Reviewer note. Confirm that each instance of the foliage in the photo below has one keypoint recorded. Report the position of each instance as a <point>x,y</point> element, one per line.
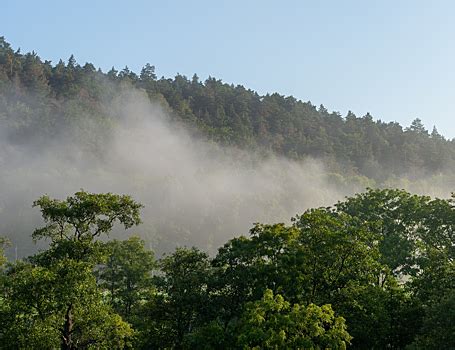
<point>127,274</point>
<point>272,323</point>
<point>383,259</point>
<point>54,300</point>
<point>85,216</point>
<point>181,298</point>
<point>38,98</point>
<point>438,329</point>
<point>374,271</point>
<point>46,307</point>
<point>3,244</point>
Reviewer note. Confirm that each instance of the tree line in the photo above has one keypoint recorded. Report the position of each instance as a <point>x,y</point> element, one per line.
<point>38,98</point>
<point>374,271</point>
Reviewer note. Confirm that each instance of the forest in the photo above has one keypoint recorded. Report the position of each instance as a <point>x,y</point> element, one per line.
<point>374,270</point>
<point>38,97</point>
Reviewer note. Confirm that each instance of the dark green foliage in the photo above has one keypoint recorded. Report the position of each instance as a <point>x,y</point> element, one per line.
<point>395,216</point>
<point>376,271</point>
<point>63,95</point>
<point>180,302</point>
<point>438,329</point>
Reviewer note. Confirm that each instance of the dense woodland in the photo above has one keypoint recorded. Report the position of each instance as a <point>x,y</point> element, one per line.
<point>375,271</point>
<point>38,98</point>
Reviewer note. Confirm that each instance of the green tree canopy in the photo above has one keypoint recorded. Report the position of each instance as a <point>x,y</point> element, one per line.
<point>272,323</point>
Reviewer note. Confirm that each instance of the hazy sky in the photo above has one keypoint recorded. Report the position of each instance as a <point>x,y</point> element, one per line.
<point>394,59</point>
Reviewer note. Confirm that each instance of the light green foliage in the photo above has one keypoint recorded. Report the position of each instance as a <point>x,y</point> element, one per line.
<point>3,243</point>
<point>383,259</point>
<point>53,300</point>
<point>272,323</point>
<point>85,216</point>
<point>60,305</point>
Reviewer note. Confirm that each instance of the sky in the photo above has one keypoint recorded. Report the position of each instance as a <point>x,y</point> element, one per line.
<point>393,59</point>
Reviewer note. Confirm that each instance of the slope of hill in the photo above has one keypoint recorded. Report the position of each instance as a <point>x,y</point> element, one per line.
<point>38,99</point>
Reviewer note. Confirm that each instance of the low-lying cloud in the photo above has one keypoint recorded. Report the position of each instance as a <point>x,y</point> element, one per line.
<point>194,191</point>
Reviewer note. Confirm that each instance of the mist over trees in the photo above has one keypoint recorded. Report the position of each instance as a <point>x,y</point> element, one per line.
<point>39,98</point>
<point>373,271</point>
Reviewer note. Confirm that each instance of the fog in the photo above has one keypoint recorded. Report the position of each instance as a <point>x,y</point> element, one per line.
<point>193,191</point>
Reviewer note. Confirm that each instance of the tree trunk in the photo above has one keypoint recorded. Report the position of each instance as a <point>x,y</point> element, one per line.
<point>67,330</point>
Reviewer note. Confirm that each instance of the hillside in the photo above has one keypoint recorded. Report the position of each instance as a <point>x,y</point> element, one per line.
<point>206,216</point>
<point>39,98</point>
